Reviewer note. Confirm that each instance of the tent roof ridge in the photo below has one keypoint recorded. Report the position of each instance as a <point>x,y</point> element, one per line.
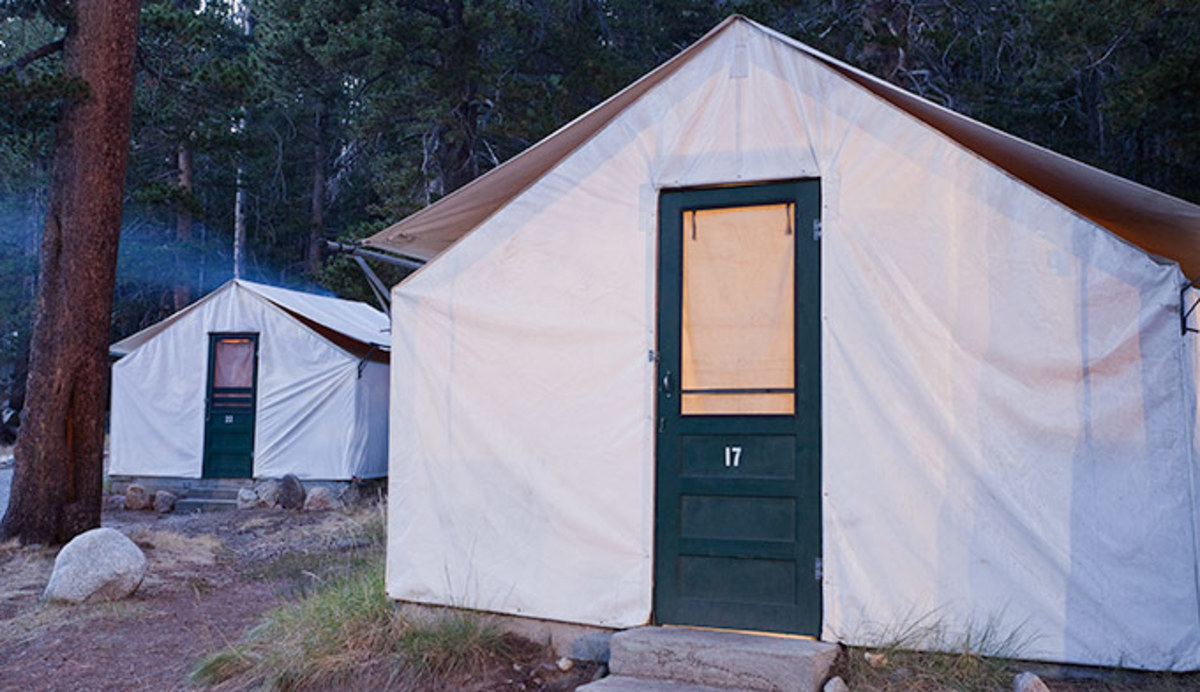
<point>264,292</point>
<point>271,295</point>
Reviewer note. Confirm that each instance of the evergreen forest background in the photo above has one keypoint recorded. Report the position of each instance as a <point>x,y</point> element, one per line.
<point>336,118</point>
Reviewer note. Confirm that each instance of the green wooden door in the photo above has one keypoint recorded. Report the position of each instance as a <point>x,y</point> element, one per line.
<point>738,535</point>
<point>230,406</point>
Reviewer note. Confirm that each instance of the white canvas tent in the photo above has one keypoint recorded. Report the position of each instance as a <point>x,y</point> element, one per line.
<point>1006,406</point>
<point>320,394</point>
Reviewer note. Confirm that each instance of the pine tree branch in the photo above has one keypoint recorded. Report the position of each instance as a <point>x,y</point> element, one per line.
<point>34,55</point>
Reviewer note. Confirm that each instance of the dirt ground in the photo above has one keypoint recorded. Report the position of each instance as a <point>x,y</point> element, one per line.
<point>199,594</point>
<point>209,579</point>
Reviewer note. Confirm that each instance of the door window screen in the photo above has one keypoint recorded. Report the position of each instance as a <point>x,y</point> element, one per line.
<point>233,364</point>
<point>738,312</point>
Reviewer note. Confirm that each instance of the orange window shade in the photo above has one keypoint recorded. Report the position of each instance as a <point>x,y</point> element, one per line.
<point>738,311</point>
<point>233,364</point>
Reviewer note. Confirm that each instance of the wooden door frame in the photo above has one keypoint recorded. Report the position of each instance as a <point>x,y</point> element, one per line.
<point>805,193</point>
<point>213,338</point>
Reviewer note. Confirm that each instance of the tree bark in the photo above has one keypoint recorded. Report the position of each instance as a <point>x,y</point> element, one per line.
<point>56,490</point>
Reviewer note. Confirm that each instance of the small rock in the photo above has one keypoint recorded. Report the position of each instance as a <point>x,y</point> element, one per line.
<point>320,500</point>
<point>101,564</point>
<point>164,501</point>
<point>564,664</point>
<point>593,646</point>
<point>875,660</point>
<point>291,492</point>
<point>1028,682</point>
<point>836,684</point>
<point>114,502</point>
<point>900,675</point>
<point>136,497</point>
<point>268,493</point>
<point>246,499</point>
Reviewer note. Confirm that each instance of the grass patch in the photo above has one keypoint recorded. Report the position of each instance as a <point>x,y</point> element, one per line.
<point>340,626</point>
<point>347,624</point>
<point>342,623</point>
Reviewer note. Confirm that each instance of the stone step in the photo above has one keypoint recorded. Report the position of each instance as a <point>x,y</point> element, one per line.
<point>218,488</point>
<point>191,505</point>
<point>621,683</point>
<point>721,659</point>
<point>212,493</point>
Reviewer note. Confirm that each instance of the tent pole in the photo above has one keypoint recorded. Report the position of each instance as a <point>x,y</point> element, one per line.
<point>375,283</point>
<point>360,256</point>
<point>360,251</point>
<point>1184,311</point>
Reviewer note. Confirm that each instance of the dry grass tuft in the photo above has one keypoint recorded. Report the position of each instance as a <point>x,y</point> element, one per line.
<point>928,655</point>
<point>256,521</point>
<point>24,570</point>
<point>453,644</point>
<point>168,549</point>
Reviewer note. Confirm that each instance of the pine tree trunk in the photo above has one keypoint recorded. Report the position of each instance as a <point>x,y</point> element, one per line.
<point>316,227</point>
<point>239,227</point>
<point>56,490</point>
<point>183,228</point>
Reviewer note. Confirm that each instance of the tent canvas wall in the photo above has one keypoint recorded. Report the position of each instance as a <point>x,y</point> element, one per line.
<point>318,408</point>
<point>992,407</point>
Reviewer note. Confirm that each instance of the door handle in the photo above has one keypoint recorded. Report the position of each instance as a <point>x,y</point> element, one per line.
<point>666,384</point>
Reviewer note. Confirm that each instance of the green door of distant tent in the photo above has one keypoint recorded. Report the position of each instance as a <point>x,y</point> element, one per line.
<point>230,406</point>
<point>738,513</point>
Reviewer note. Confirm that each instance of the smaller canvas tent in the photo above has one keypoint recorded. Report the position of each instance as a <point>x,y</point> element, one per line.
<point>253,380</point>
